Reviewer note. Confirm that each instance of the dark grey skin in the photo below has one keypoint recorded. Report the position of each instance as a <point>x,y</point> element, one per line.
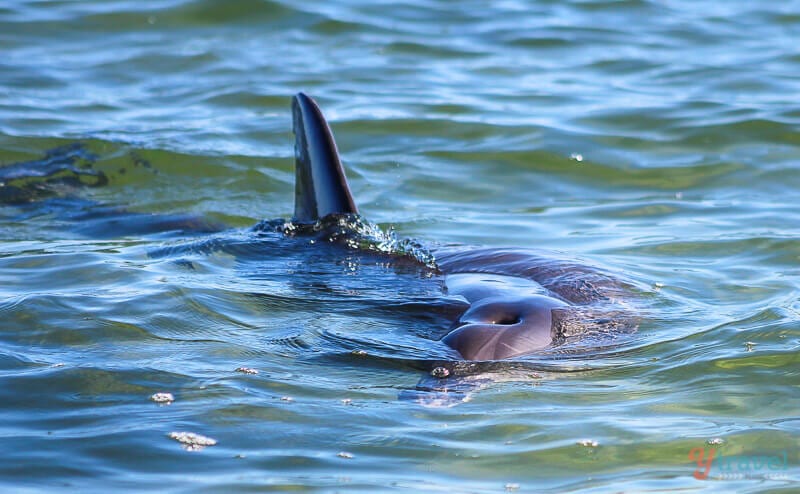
<point>519,303</point>
<point>320,185</point>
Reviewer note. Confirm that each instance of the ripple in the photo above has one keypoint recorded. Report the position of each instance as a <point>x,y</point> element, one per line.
<point>457,125</point>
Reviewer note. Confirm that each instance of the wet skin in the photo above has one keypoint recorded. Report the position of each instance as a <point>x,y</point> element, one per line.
<point>507,317</point>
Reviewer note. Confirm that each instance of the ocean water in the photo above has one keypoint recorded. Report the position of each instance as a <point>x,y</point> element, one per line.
<point>660,140</point>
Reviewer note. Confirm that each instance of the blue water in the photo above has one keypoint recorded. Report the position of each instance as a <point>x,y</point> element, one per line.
<point>659,140</point>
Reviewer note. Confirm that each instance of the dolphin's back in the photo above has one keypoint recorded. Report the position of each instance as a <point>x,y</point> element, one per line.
<point>578,284</point>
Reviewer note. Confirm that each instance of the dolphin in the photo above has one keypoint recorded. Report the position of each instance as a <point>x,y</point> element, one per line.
<point>519,303</point>
<point>513,303</point>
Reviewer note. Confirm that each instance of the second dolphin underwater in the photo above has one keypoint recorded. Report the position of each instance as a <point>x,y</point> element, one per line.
<point>513,303</point>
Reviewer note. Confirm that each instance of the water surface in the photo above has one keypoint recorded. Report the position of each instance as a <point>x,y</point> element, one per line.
<point>657,139</point>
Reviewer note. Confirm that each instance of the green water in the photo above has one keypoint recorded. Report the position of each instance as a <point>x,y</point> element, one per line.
<point>660,140</point>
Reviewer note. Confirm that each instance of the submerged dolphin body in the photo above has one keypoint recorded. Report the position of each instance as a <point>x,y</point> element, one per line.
<point>519,303</point>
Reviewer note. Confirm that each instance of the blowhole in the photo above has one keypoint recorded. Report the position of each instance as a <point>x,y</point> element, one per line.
<point>508,320</point>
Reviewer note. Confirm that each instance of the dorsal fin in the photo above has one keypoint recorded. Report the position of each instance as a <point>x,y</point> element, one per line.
<point>320,185</point>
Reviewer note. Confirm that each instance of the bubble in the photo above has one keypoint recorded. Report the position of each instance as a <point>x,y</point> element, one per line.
<point>192,441</point>
<point>164,398</point>
<point>440,372</point>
